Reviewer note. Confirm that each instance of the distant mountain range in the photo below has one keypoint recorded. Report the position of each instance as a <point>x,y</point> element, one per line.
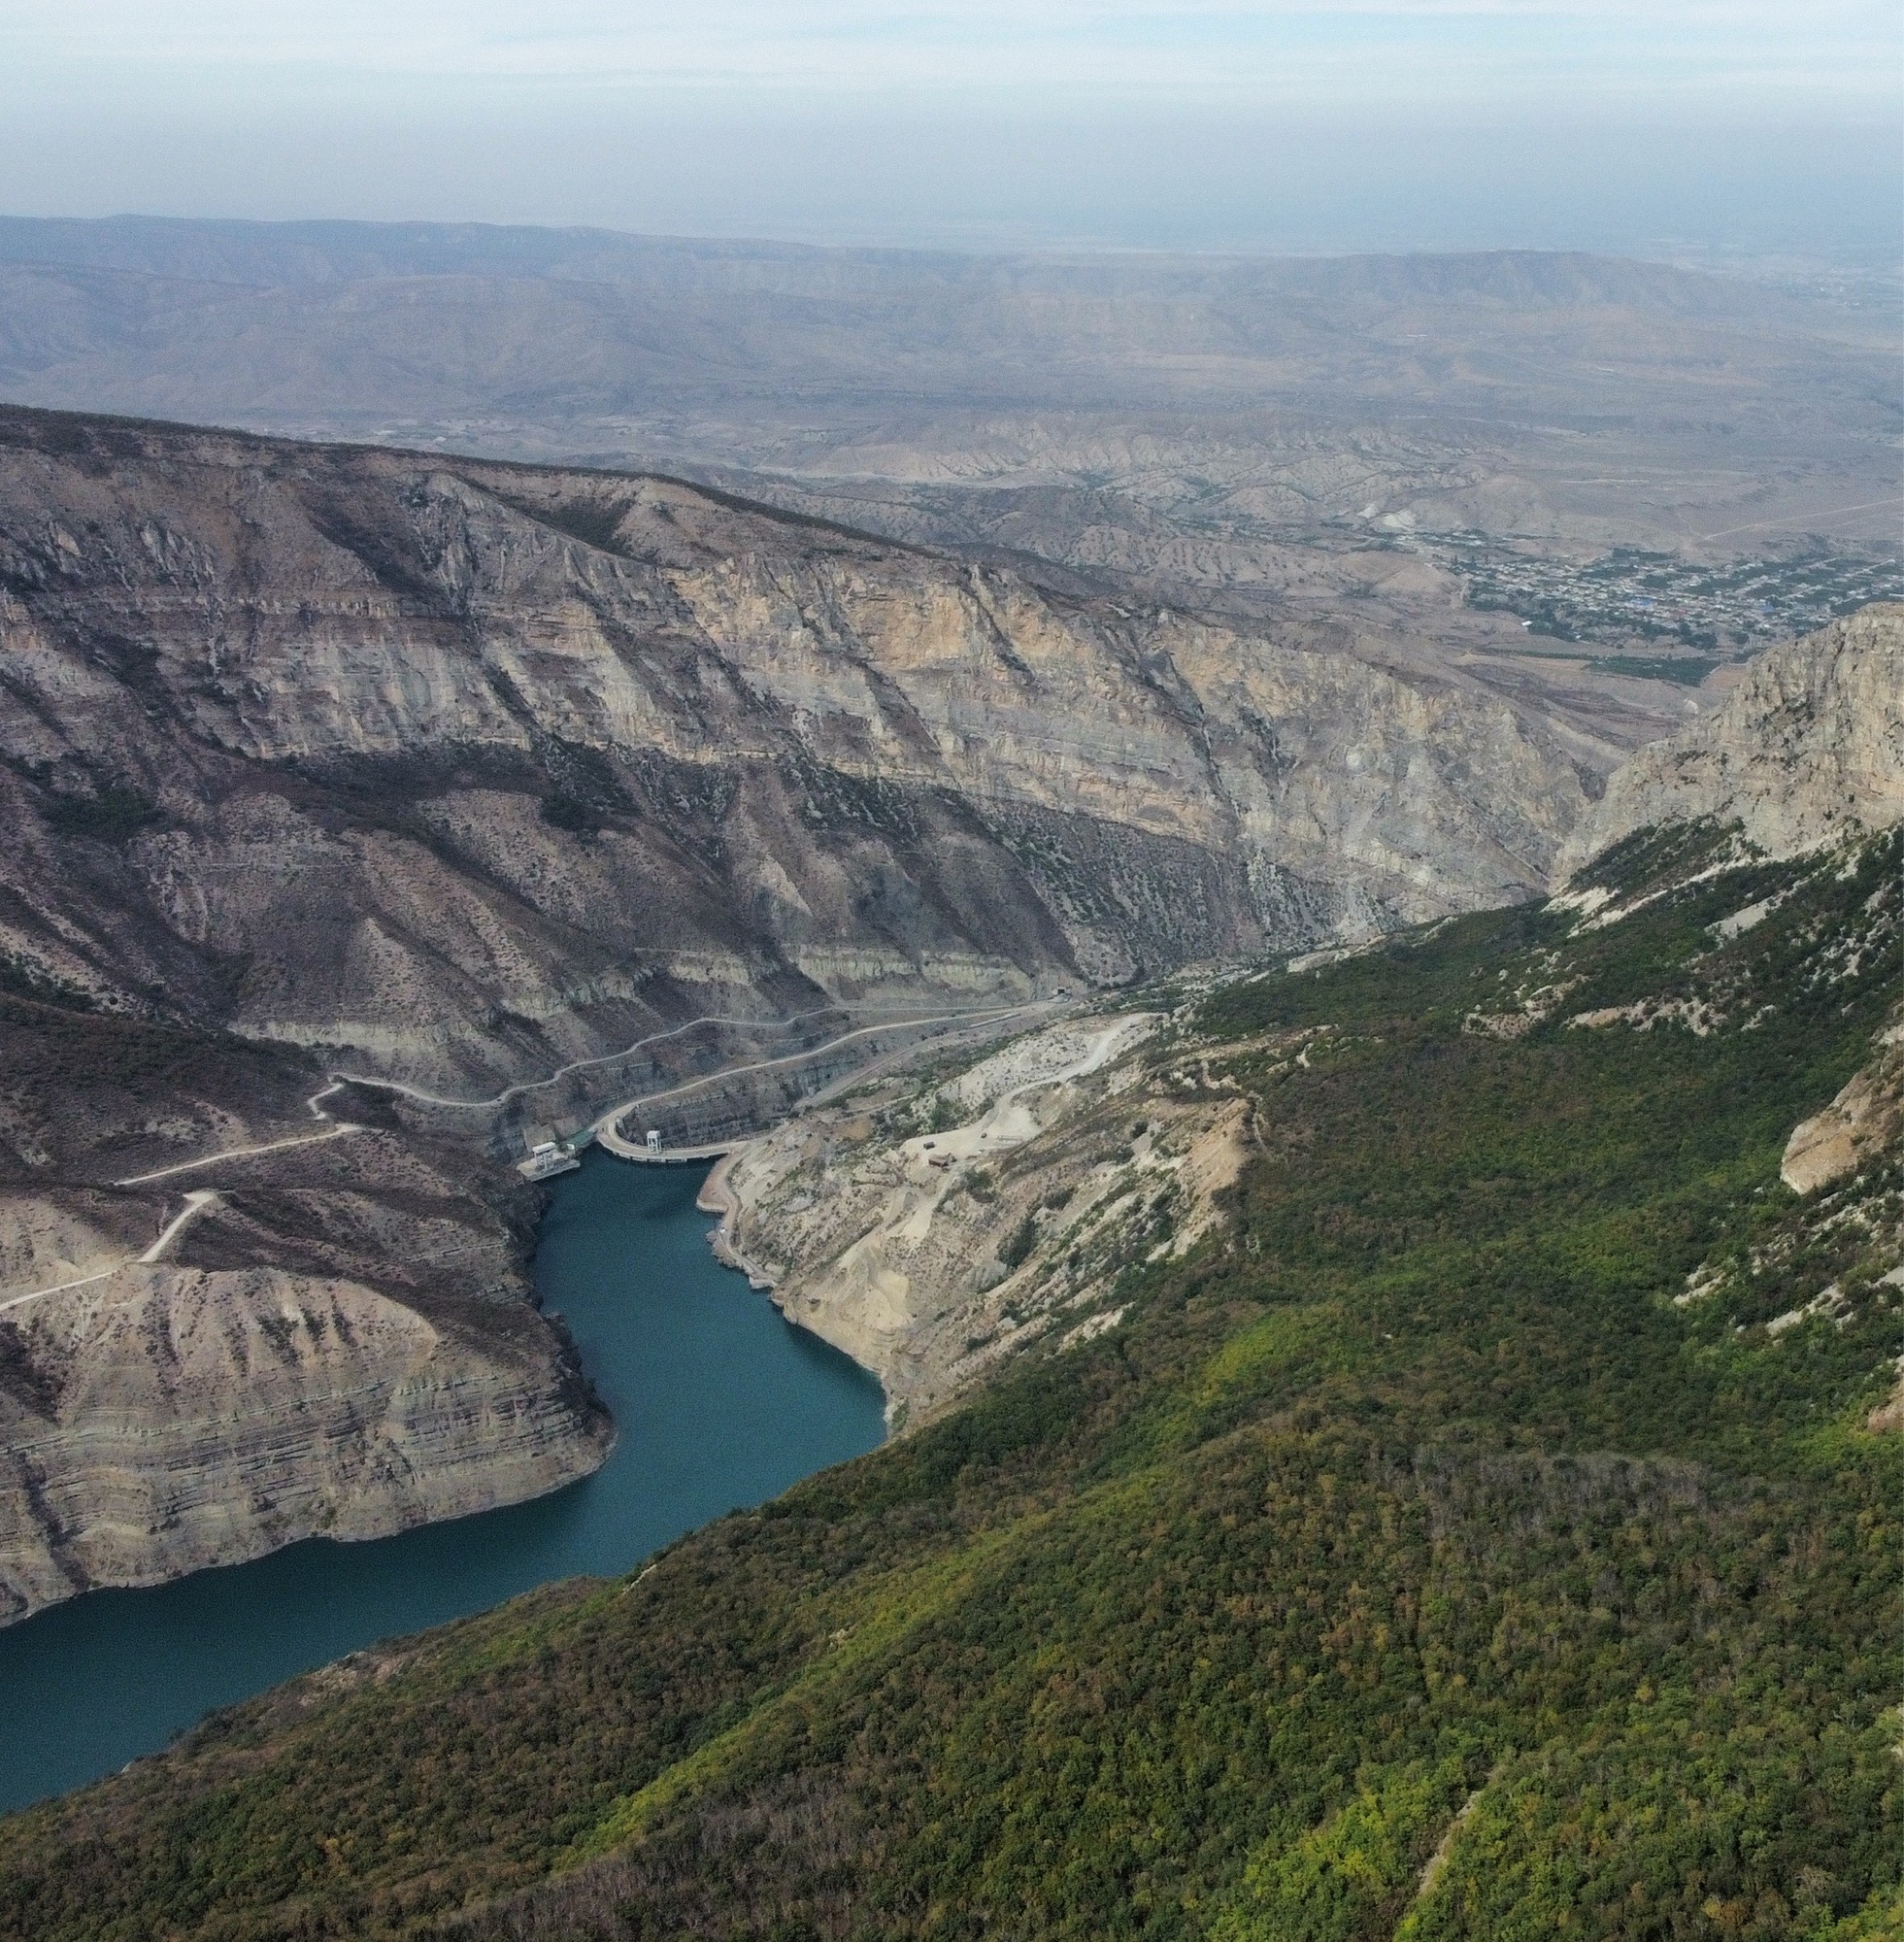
<point>1567,396</point>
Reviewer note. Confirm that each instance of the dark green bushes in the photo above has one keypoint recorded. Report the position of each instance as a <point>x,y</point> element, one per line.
<point>1408,1560</point>
<point>113,813</point>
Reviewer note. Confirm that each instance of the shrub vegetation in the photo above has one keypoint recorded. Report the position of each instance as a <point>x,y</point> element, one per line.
<point>1408,1561</point>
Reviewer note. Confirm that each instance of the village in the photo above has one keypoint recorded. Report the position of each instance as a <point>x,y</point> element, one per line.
<point>1660,603</point>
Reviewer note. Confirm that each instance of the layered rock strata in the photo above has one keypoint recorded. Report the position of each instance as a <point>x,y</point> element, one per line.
<point>169,1417</point>
<point>227,1322</point>
<point>469,770</point>
<point>1807,750</point>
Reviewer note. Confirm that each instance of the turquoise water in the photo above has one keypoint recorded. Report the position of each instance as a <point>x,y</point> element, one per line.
<point>719,1402</point>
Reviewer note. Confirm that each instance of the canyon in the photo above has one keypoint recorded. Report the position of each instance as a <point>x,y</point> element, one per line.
<point>1383,1455</point>
<point>357,792</point>
<point>457,776</point>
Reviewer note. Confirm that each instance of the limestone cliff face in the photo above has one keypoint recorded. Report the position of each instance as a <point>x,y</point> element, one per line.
<point>227,1323</point>
<point>473,769</point>
<point>1808,749</point>
<point>170,1417</point>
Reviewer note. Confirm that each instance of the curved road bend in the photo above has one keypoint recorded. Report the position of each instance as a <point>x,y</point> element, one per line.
<point>604,1131</point>
<point>199,1200</point>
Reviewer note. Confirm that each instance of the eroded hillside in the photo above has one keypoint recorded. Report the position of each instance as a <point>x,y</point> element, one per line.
<point>239,1307</point>
<point>474,770</point>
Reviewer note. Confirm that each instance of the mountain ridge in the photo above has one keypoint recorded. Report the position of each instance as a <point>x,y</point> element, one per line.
<point>1488,1524</point>
<point>1807,749</point>
<point>324,631</point>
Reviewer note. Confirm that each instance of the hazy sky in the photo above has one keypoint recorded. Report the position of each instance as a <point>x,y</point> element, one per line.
<point>1747,123</point>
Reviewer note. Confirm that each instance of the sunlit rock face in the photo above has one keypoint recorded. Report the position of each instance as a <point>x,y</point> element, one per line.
<point>1860,1126</point>
<point>474,768</point>
<point>169,1417</point>
<point>1808,749</point>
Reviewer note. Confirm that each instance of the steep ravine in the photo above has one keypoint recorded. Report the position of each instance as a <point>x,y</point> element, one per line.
<point>454,774</point>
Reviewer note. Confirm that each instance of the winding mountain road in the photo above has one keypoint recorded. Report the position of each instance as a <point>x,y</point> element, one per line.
<point>199,1201</point>
<point>603,1129</point>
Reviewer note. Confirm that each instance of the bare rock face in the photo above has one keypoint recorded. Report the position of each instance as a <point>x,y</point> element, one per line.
<point>1866,1118</point>
<point>169,1417</point>
<point>474,769</point>
<point>1807,750</point>
<point>929,1257</point>
<point>227,1323</point>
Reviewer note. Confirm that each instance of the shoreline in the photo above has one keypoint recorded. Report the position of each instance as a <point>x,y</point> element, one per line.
<point>717,1198</point>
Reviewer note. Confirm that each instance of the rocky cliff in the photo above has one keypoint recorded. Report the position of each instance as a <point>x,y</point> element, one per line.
<point>170,1417</point>
<point>1860,1126</point>
<point>472,769</point>
<point>933,1233</point>
<point>226,1322</point>
<point>1807,750</point>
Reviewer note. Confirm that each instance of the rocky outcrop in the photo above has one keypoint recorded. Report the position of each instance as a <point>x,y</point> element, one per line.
<point>1864,1119</point>
<point>473,770</point>
<point>1807,750</point>
<point>929,1255</point>
<point>169,1417</point>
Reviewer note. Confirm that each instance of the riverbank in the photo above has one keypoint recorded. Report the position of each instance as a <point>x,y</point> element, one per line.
<point>717,1401</point>
<point>718,1197</point>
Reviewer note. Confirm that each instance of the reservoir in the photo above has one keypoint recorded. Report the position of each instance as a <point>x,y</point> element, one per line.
<point>718,1403</point>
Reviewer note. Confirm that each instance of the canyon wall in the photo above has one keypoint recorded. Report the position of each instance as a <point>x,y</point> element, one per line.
<point>1807,750</point>
<point>471,769</point>
<point>231,1318</point>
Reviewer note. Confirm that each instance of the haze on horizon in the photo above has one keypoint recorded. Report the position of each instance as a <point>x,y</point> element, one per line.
<point>1734,129</point>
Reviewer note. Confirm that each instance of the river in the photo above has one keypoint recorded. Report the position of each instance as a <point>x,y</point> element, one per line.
<point>719,1402</point>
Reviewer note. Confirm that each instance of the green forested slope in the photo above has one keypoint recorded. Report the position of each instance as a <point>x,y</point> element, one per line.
<point>1407,1560</point>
